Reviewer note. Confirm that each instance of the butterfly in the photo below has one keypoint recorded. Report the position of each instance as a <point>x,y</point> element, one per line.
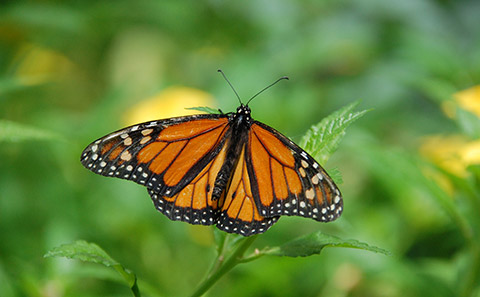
<point>224,169</point>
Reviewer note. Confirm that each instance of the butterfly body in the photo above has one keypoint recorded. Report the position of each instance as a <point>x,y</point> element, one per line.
<point>240,123</point>
<point>223,169</point>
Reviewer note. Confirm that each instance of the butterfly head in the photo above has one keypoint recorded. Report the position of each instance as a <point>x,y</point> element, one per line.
<point>242,116</point>
<point>244,110</point>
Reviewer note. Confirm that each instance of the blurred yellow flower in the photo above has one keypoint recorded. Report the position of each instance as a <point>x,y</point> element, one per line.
<point>170,102</point>
<point>452,153</point>
<point>38,65</point>
<point>468,100</point>
<point>347,276</point>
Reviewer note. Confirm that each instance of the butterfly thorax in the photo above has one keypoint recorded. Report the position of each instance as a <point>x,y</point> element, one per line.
<point>240,123</point>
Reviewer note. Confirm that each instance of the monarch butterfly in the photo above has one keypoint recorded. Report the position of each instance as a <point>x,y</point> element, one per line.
<point>222,169</point>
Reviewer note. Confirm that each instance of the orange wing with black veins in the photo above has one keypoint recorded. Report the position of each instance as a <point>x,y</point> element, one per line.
<point>239,212</point>
<point>165,155</point>
<point>285,180</point>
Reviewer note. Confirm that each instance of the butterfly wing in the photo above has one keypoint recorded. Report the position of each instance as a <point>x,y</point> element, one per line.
<point>285,180</point>
<point>238,210</point>
<point>194,204</point>
<point>165,155</point>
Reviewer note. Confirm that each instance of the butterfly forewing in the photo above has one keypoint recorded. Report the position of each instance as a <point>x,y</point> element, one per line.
<point>164,155</point>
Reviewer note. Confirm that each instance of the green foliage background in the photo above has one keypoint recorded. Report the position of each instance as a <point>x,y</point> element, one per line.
<point>401,58</point>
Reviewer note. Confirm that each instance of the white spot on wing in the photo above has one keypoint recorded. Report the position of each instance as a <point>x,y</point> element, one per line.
<point>302,172</point>
<point>337,199</point>
<point>126,156</point>
<point>310,193</point>
<point>145,139</point>
<point>127,141</point>
<point>145,132</point>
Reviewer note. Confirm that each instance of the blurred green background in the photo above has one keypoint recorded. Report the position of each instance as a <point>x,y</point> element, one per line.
<point>72,71</point>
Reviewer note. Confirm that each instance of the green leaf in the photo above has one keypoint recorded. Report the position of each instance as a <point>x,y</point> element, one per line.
<point>90,252</point>
<point>322,139</point>
<point>84,251</point>
<point>14,132</point>
<point>335,175</point>
<point>314,243</point>
<point>204,109</point>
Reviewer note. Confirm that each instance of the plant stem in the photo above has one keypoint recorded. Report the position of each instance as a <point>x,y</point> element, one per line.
<point>221,250</point>
<point>135,290</point>
<point>234,259</point>
<point>130,278</point>
<point>255,255</point>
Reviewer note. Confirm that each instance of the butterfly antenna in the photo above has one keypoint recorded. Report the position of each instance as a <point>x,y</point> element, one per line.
<point>264,89</point>
<point>225,77</point>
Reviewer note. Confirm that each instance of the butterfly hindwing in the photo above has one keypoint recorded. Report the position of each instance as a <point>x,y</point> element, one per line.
<point>239,212</point>
<point>164,155</point>
<point>288,181</point>
<point>194,203</point>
